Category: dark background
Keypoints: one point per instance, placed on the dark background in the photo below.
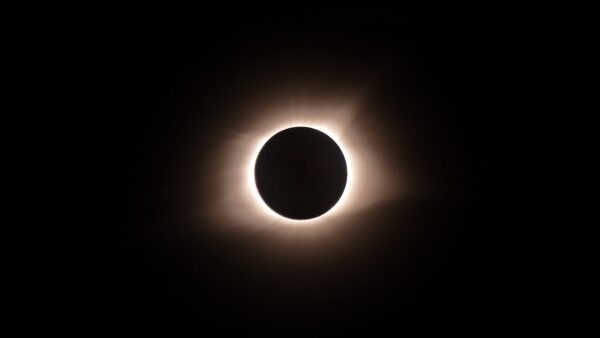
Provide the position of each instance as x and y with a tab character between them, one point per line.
461	70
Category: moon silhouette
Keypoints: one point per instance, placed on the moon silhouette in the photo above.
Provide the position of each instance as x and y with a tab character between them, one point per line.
300	173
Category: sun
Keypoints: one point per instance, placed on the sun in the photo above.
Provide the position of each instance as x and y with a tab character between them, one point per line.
251	183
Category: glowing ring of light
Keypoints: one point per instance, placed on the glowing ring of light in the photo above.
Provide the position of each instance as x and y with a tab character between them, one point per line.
254	188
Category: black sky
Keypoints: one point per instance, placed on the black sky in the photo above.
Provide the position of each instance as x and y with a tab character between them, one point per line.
148	92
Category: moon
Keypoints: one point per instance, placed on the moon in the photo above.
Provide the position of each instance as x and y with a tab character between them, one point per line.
300	173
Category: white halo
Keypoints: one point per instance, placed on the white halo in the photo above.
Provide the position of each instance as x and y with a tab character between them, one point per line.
237	200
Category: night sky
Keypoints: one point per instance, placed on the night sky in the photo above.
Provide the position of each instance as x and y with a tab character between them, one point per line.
442	96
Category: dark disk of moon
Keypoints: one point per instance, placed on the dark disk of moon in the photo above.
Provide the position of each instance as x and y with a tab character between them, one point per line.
300	173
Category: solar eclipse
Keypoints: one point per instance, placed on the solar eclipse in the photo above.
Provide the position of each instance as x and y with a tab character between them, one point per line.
238	201
300	173
285	174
